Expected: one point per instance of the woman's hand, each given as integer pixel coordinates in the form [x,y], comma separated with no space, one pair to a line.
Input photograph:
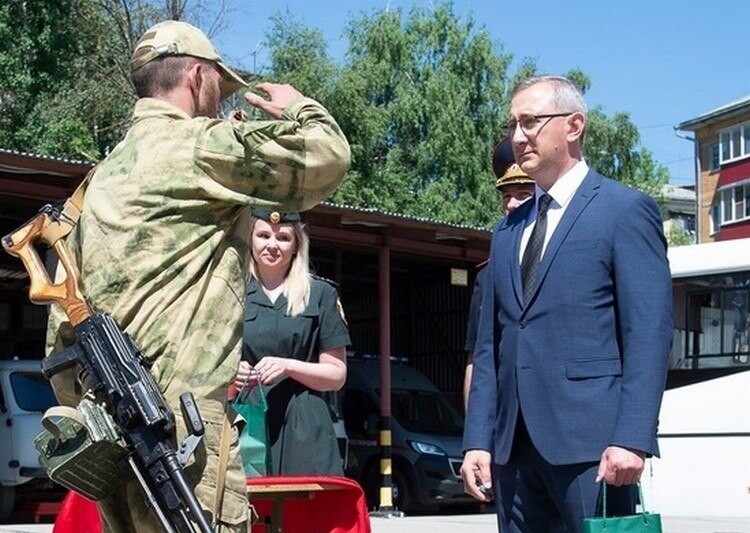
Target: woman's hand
[271,369]
[244,373]
[328,373]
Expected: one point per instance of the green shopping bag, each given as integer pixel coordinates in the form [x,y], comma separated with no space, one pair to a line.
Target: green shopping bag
[251,405]
[643,522]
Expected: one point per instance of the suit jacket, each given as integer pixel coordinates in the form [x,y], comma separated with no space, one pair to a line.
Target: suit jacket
[585,360]
[472,323]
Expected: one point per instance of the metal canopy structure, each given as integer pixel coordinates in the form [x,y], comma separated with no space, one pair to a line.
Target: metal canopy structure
[426,306]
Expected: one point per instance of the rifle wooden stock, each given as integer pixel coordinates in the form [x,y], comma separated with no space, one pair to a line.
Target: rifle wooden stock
[42,289]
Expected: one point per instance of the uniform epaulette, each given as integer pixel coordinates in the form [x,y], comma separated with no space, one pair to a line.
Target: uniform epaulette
[329,281]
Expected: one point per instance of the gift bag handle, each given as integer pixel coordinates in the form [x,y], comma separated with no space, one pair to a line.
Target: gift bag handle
[604,499]
[243,392]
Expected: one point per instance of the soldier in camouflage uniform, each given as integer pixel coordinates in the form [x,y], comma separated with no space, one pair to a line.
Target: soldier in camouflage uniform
[163,235]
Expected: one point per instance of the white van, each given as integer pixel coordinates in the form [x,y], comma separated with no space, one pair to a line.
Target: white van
[24,397]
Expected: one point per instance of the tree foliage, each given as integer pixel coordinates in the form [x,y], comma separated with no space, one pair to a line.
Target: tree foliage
[65,70]
[677,236]
[422,96]
[422,99]
[62,93]
[611,147]
[299,56]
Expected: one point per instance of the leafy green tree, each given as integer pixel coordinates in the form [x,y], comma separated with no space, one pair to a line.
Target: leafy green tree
[611,146]
[299,57]
[65,70]
[42,55]
[423,98]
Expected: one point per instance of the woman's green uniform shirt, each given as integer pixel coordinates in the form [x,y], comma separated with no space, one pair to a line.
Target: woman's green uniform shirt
[301,432]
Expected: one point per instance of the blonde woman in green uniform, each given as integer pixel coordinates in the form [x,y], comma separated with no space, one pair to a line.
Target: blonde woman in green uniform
[295,340]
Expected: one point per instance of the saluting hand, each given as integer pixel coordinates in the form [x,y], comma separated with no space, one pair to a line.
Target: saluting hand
[280,96]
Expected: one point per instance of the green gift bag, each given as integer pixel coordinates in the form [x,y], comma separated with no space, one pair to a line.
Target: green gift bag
[251,405]
[643,522]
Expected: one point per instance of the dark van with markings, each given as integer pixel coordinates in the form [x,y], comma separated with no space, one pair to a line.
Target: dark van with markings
[426,437]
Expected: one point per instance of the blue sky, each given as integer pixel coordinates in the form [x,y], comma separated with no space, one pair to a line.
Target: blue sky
[662,62]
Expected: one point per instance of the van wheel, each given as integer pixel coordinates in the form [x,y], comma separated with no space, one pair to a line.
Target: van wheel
[7,501]
[402,493]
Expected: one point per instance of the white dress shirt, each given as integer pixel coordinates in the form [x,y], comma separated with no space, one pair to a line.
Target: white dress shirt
[561,192]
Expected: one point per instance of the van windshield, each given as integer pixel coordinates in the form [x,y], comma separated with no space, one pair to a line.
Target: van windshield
[425,412]
[32,391]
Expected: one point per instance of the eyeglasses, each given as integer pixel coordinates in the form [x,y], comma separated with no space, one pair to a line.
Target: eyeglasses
[531,124]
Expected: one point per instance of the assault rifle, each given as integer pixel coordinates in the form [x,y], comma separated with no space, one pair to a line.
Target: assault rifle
[112,369]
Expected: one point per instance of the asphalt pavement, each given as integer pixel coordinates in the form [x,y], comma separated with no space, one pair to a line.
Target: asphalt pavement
[482,523]
[485,523]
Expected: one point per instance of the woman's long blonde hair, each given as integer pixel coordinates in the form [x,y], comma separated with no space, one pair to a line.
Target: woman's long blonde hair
[298,278]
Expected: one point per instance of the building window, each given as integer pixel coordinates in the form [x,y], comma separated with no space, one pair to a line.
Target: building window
[713,156]
[726,204]
[737,143]
[724,147]
[734,205]
[739,203]
[734,143]
[715,220]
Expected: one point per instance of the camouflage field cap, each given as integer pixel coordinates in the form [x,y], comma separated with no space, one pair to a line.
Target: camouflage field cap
[276,217]
[177,38]
[507,171]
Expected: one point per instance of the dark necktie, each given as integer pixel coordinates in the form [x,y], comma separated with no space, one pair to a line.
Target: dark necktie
[533,252]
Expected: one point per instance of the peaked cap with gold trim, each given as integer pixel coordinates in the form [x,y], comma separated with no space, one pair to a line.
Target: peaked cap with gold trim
[507,171]
[276,217]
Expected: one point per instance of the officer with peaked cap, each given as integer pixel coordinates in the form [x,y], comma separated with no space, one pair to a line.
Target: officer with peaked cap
[513,184]
[163,237]
[295,344]
[515,187]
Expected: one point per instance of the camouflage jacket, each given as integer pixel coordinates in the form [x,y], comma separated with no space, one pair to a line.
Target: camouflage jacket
[163,234]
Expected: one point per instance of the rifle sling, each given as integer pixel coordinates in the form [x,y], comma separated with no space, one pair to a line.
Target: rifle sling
[70,213]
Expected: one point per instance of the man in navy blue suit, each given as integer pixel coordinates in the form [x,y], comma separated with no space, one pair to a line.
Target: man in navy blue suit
[515,188]
[574,335]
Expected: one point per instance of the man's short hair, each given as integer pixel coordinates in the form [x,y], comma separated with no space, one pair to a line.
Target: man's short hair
[567,97]
[175,38]
[162,75]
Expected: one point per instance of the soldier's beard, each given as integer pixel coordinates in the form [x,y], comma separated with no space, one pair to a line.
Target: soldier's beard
[208,100]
